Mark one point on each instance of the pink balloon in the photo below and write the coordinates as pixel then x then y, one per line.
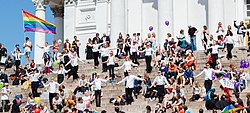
pixel 18 101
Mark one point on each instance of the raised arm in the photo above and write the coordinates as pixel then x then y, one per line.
pixel 123 80
pixel 199 74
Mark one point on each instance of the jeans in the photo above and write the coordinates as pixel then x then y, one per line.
pixel 98 98
pixel 208 85
pixel 193 43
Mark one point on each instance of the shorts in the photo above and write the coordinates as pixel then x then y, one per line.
pixel 27 54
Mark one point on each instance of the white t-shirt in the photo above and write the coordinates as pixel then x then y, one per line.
pixel 27 48
pixel 6 93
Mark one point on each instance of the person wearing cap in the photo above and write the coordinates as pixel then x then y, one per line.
pixel 27 48
pixel 148 57
pixel 5 94
pixel 127 66
pixel 160 81
pixel 97 83
pixel 208 71
pixel 129 86
pixel 52 90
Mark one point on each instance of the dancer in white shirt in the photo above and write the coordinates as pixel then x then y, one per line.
pixel 74 64
pixel 111 64
pixel 129 86
pixel 97 88
pixel 46 51
pixel 34 76
pixel 52 90
pixel 148 57
pixel 127 66
pixel 208 76
pixel 95 52
pixel 60 73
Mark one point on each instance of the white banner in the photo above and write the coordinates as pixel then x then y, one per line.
pixel 227 83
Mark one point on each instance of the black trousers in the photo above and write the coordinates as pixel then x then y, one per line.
pixel 77 52
pixel 104 65
pixel 134 57
pixel 127 50
pixel 208 84
pixel 95 55
pixel 74 71
pixel 229 50
pixel 98 98
pixel 160 91
pixel 119 51
pixel 34 86
pixel 17 62
pixel 125 73
pixel 51 96
pixel 60 78
pixel 129 98
pixel 214 58
pixel 148 63
pixel 5 105
pixel 111 71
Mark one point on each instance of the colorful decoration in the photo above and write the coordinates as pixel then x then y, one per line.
pixel 37 110
pixel 151 28
pixel 1 84
pixel 37 100
pixel 35 24
pixel 167 23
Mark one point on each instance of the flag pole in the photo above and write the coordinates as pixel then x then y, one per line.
pixel 23 26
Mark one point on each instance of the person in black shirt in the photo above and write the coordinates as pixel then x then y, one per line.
pixel 192 33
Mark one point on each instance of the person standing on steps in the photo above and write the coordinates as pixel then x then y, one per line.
pixel 95 51
pixel 97 83
pixel 230 41
pixel 105 55
pixel 27 49
pixel 241 33
pixel 74 64
pixel 127 66
pixel 52 90
pixel 60 74
pixel 208 71
pixel 111 65
pixel 160 81
pixel 192 31
pixel 34 76
pixel 148 57
pixel 215 50
pixel 129 86
pixel 46 51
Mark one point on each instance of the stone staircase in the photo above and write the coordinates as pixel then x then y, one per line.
pixel 111 91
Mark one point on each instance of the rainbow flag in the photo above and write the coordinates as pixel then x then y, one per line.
pixel 35 24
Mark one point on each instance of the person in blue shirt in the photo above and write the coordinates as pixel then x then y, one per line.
pixel 137 87
pixel 164 69
pixel 188 75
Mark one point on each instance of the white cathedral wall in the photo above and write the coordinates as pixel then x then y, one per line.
pixel 102 17
pixel 69 22
pixel 134 13
pixel 197 17
pixel 149 17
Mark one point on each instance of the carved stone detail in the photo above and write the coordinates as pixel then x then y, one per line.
pixel 40 4
pixel 70 2
pixel 58 11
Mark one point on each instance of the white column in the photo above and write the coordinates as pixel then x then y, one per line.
pixel 215 15
pixel 102 16
pixel 240 13
pixel 69 19
pixel 165 13
pixel 117 20
pixel 40 6
pixel 58 18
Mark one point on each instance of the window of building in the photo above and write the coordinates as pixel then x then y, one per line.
pixel 247 8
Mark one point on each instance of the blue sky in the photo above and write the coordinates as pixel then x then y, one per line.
pixel 11 22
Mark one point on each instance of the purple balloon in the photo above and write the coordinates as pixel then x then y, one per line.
pixel 236 84
pixel 151 28
pixel 246 65
pixel 241 66
pixel 243 62
pixel 167 23
pixel 213 77
pixel 225 75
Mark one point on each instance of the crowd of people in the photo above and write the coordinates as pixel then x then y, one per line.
pixel 173 63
